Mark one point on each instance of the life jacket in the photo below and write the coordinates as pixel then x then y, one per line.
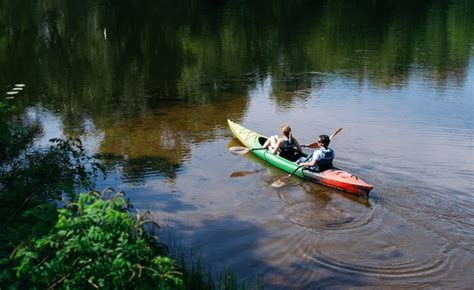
pixel 287 150
pixel 287 146
pixel 327 156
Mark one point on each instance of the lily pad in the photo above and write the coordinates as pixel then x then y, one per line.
pixel 20 85
pixel 12 92
pixel 17 89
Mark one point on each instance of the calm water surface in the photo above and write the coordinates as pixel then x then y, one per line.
pixel 149 87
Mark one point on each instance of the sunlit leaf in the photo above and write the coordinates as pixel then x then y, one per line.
pixel 12 92
pixel 20 85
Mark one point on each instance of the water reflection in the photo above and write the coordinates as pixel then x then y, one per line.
pixel 244 173
pixel 156 53
pixel 159 143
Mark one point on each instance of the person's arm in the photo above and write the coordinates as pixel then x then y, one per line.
pixel 309 164
pixel 313 161
pixel 298 147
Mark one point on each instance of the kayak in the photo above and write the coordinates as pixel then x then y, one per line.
pixel 333 177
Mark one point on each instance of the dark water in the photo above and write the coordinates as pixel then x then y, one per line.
pixel 149 85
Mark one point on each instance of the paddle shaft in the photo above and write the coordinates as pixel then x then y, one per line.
pixel 253 149
pixel 294 171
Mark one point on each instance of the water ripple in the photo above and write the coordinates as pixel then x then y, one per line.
pixel 395 251
pixel 409 267
pixel 302 213
pixel 317 207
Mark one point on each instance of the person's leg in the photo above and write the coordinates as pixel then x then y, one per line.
pixel 271 142
pixel 267 143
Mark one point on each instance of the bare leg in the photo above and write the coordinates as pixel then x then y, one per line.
pixel 271 142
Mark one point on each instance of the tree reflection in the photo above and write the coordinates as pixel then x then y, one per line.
pixel 118 60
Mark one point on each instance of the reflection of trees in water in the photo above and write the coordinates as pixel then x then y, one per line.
pixel 135 170
pixel 98 53
pixel 161 142
pixel 117 60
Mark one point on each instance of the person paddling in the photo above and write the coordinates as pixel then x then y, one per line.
pixel 322 157
pixel 286 146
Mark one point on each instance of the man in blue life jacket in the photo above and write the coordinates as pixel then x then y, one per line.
pixel 322 157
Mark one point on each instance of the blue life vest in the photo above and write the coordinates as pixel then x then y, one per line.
pixel 327 156
pixel 287 146
pixel 287 151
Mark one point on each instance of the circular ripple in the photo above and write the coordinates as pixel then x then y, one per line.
pixel 407 268
pixel 394 252
pixel 325 211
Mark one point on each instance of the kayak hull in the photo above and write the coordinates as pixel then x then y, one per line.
pixel 335 178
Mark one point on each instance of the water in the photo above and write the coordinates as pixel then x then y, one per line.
pixel 149 87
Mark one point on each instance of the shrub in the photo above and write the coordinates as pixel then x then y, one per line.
pixel 14 135
pixel 31 186
pixel 96 243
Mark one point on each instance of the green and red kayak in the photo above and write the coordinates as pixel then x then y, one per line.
pixel 335 178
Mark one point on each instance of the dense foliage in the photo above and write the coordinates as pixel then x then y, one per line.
pixel 96 243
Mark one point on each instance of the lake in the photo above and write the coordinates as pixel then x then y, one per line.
pixel 148 86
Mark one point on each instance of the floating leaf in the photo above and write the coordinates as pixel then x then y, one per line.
pixel 20 85
pixel 12 92
pixel 17 89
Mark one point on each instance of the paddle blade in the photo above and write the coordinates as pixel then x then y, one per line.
pixel 335 133
pixel 280 182
pixel 238 174
pixel 313 145
pixel 239 150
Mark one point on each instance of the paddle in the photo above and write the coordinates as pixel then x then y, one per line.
pixel 315 144
pixel 239 150
pixel 280 182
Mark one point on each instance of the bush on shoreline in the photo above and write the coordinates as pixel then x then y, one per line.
pixel 97 243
